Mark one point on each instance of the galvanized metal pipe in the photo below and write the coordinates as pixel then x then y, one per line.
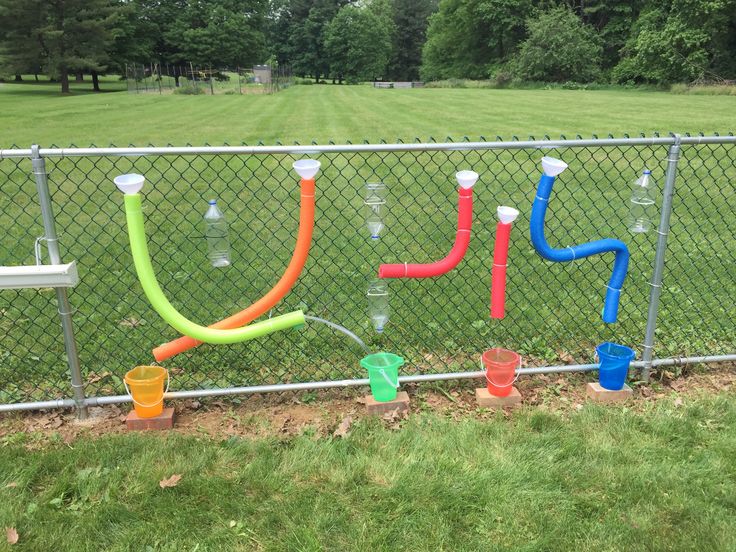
pixel 673 157
pixel 62 299
pixel 366 148
pixel 310 386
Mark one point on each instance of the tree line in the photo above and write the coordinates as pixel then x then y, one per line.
pixel 639 41
pixel 616 41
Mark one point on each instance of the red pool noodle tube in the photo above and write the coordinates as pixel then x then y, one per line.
pixel 507 215
pixel 466 180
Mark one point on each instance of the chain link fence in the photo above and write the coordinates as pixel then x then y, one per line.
pixel 438 325
pixel 194 79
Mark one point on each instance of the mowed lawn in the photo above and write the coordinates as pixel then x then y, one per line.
pixel 601 478
pixel 33 113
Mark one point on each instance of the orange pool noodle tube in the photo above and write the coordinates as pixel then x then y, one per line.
pixel 282 287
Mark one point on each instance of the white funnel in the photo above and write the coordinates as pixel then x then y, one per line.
pixel 552 166
pixel 506 214
pixel 466 179
pixel 306 168
pixel 129 183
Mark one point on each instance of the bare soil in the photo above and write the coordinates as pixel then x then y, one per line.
pixel 331 412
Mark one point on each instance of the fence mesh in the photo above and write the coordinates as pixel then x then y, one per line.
pixel 438 324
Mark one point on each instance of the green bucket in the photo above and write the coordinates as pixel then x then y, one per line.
pixel 383 374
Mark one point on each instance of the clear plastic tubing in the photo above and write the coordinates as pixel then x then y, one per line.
pixel 375 208
pixel 552 167
pixel 340 329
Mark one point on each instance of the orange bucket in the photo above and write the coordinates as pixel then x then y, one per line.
pixel 145 384
pixel 500 366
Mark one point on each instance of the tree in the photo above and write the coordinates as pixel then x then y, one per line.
pixel 559 48
pixel 358 44
pixel 67 35
pixel 19 49
pixel 227 32
pixel 410 20
pixel 681 40
pixel 310 19
pixel 467 38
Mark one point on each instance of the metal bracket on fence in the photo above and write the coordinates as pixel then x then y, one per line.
pixel 673 156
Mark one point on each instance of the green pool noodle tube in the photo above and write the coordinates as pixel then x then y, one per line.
pixel 155 295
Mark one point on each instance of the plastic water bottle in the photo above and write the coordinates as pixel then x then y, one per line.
pixel 378 304
pixel 375 207
pixel 642 207
pixel 218 242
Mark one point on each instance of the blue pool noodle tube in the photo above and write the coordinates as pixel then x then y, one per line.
pixel 551 168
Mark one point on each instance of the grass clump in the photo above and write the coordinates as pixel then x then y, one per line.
pixel 599 479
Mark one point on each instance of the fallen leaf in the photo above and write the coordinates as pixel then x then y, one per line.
pixel 11 534
pixel 566 357
pixel 172 481
pixel 344 428
pixel 11 485
pixel 679 401
pixel 360 400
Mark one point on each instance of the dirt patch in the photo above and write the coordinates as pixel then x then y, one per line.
pixel 325 413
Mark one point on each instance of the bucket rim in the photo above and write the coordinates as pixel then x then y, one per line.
pixel 138 381
pixel 394 359
pixel 515 357
pixel 630 353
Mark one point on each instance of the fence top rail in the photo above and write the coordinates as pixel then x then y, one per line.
pixel 314 149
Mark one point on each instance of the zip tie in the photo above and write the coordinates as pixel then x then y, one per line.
pixel 494 264
pixel 613 289
pixel 77 385
pixel 406 270
pixel 572 251
pixel 541 199
pixel 463 230
pixel 661 233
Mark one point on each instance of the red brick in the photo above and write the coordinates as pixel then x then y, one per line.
pixel 486 400
pixel 400 403
pixel 165 420
pixel 598 394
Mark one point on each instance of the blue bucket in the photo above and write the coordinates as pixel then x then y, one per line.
pixel 614 365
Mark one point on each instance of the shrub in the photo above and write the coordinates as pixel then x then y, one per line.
pixel 559 48
pixel 189 90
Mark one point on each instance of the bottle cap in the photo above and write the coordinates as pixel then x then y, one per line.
pixel 212 202
pixel 647 171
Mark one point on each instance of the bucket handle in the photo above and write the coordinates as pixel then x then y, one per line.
pixel 388 379
pixel 513 381
pixel 168 380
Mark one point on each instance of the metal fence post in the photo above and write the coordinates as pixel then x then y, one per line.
pixel 673 157
pixel 62 299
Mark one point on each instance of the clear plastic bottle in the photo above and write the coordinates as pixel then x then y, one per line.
pixel 643 204
pixel 216 232
pixel 378 310
pixel 375 208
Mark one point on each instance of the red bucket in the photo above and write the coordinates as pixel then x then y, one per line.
pixel 500 366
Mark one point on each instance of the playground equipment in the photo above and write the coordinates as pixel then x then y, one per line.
pixel 131 185
pixel 306 169
pixel 551 168
pixel 383 375
pixel 145 385
pixel 466 180
pixel 506 216
pixel 614 365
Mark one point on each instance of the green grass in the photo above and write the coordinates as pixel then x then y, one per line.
pixel 601 479
pixel 36 113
